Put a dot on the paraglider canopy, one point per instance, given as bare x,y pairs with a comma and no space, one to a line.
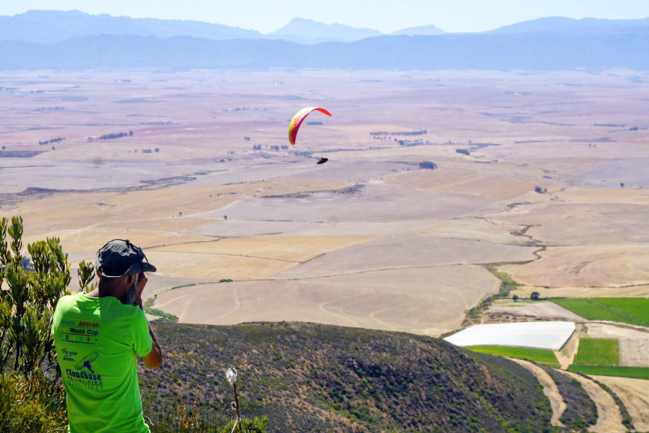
297,121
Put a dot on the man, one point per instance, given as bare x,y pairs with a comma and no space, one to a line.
98,337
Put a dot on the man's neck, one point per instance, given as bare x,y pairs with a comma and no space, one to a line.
101,292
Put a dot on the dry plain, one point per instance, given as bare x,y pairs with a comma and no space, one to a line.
540,175
204,179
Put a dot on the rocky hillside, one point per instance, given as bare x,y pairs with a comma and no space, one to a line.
307,377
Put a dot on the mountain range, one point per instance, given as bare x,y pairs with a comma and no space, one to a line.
74,40
39,26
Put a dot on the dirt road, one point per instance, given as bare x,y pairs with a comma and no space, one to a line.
609,417
635,395
550,389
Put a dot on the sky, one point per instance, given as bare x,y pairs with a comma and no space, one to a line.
384,15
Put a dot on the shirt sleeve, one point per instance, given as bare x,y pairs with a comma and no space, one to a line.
142,341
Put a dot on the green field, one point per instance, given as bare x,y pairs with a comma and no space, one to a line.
635,372
541,356
598,352
634,311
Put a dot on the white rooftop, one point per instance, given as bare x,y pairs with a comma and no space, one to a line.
540,335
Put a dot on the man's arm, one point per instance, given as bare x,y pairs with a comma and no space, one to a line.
154,358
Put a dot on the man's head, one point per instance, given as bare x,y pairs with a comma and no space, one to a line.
120,265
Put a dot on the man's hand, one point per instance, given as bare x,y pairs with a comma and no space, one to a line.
140,288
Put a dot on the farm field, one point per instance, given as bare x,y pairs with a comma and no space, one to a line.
587,266
544,192
208,185
633,372
584,292
634,342
540,356
292,249
424,302
598,352
545,309
410,251
634,311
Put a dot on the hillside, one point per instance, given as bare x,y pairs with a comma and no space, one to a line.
46,26
569,25
311,32
448,51
307,377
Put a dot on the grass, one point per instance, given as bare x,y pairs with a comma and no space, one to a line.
626,416
598,352
506,285
541,356
634,372
634,311
308,377
159,313
580,411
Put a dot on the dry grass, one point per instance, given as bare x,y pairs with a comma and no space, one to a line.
295,249
473,183
478,229
464,212
609,418
586,266
635,395
566,223
409,251
584,292
420,301
216,267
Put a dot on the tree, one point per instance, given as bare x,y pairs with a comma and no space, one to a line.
26,308
28,366
536,296
515,298
428,164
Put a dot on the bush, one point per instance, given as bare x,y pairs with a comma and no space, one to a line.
30,405
32,398
26,308
428,164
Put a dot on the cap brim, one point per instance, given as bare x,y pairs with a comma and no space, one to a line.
135,268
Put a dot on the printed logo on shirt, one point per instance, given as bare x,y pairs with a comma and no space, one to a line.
79,331
84,375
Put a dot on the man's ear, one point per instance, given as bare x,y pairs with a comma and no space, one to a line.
130,279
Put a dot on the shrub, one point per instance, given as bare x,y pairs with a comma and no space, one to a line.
428,164
30,405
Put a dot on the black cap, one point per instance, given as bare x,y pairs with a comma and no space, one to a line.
120,258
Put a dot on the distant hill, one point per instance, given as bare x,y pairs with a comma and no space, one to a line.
312,32
54,26
308,377
420,31
569,25
543,51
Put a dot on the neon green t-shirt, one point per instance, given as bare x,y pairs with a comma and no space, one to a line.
97,343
